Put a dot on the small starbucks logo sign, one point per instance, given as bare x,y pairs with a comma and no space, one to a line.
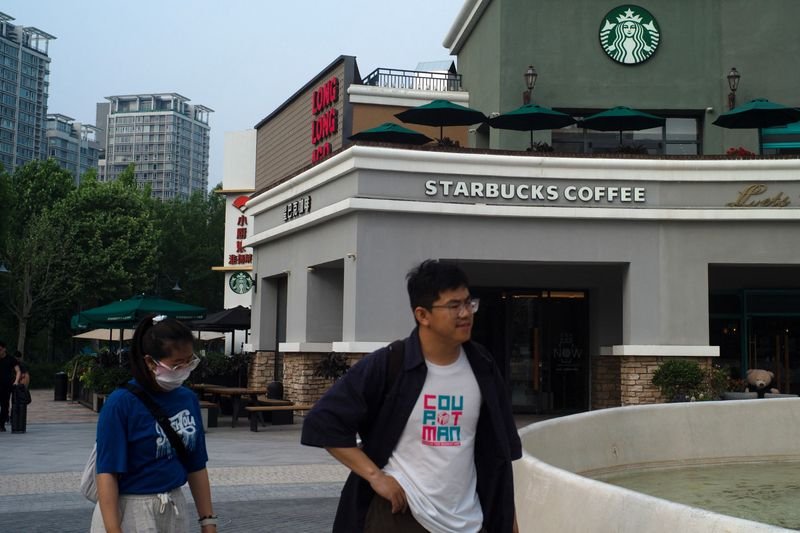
240,282
629,34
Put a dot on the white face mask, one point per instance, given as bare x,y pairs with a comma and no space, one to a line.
169,379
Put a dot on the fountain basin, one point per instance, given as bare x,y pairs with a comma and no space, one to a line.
553,480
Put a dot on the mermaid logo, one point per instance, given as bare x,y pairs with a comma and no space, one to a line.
629,35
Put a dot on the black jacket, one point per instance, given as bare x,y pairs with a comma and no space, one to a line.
359,403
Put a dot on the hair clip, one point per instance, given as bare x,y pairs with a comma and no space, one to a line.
158,318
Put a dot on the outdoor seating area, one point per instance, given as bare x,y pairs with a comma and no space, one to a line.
756,114
247,399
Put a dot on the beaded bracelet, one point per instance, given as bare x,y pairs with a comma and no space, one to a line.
208,520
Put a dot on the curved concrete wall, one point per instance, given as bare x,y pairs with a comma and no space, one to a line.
553,494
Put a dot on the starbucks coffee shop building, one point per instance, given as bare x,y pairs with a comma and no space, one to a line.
591,269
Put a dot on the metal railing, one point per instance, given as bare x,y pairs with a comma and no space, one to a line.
413,79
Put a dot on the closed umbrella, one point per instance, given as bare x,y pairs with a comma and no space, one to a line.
441,113
758,113
389,132
621,119
531,117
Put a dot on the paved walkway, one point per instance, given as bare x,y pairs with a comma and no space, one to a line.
261,482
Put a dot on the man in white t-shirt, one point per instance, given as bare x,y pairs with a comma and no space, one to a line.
435,422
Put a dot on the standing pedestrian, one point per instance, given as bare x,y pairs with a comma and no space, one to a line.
139,472
432,412
22,374
8,373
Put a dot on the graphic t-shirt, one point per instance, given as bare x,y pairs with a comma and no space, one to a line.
434,460
132,444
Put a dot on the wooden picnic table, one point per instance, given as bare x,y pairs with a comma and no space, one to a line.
235,394
202,388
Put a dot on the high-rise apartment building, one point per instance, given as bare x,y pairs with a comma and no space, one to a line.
72,144
165,137
24,82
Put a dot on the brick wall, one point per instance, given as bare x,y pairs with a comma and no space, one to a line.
300,385
262,370
636,378
606,382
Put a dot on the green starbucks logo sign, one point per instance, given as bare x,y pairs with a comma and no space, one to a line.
240,282
629,34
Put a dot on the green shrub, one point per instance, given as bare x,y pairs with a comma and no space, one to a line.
332,366
103,380
216,367
678,379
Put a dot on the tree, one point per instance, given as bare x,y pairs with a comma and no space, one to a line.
192,241
112,240
30,248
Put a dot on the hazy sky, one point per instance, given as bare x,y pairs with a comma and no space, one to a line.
241,58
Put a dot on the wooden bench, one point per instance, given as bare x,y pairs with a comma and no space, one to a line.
255,413
210,412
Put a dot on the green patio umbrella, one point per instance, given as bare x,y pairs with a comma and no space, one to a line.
127,313
389,132
621,119
441,113
531,117
758,113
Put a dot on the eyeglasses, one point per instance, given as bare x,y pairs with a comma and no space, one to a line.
193,364
469,305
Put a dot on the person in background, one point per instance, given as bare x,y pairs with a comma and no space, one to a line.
21,375
139,474
8,371
437,433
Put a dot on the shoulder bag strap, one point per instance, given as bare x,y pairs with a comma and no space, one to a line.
163,421
394,364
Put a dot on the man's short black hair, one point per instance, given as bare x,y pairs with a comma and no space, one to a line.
428,280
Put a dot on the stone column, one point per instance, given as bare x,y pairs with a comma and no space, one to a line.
605,382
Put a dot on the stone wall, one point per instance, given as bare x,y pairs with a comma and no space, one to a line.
261,371
300,385
636,378
605,382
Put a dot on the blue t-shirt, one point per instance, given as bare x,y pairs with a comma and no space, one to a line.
132,444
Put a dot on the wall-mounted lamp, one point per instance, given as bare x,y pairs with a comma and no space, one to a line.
286,272
177,287
351,256
530,83
3,269
309,269
733,83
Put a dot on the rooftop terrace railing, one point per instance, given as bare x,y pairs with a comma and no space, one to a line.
413,79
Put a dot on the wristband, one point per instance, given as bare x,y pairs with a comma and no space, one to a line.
208,520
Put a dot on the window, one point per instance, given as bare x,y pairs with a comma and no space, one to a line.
781,140
679,136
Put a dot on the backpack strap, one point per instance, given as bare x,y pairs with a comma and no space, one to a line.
394,364
163,420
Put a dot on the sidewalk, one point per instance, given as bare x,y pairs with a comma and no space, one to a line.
263,481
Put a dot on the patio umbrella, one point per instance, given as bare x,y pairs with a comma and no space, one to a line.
531,117
441,113
621,119
389,132
228,320
127,313
113,335
758,113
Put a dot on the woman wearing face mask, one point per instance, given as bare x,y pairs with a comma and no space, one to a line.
139,474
